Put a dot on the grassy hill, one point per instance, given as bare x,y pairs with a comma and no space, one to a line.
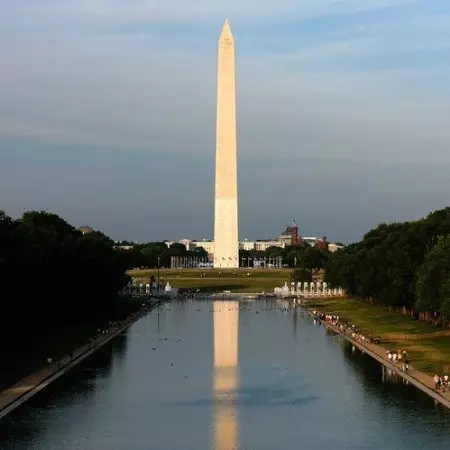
216,280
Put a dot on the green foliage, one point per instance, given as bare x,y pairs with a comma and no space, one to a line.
301,275
199,252
274,252
154,254
51,274
399,264
433,280
313,258
178,249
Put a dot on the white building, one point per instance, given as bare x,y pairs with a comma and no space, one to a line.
246,245
185,242
259,245
206,244
262,246
311,240
334,247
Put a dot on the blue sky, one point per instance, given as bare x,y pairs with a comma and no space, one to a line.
108,113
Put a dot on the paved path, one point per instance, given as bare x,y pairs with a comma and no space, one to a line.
20,392
419,379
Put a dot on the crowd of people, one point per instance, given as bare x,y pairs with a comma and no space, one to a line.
394,357
397,357
346,327
440,383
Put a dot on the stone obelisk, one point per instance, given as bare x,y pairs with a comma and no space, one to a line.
226,246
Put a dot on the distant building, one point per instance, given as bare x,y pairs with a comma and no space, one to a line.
247,245
85,229
311,240
322,243
262,246
185,242
208,245
125,247
290,236
334,247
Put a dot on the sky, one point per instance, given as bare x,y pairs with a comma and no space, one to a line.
107,113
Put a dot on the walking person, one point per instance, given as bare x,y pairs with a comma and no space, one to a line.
436,381
406,365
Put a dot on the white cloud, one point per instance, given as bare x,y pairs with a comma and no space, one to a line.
121,10
128,91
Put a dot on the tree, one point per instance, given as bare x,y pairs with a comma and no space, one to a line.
274,252
245,258
432,287
399,264
301,276
198,252
52,275
314,258
177,249
445,300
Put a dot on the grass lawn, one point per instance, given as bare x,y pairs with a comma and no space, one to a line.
428,347
216,280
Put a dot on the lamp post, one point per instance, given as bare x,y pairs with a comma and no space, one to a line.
158,275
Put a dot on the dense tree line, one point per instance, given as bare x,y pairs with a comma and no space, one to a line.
302,256
52,275
153,254
400,264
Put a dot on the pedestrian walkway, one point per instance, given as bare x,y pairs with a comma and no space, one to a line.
24,389
419,379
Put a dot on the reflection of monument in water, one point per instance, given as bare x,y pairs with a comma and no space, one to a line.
226,380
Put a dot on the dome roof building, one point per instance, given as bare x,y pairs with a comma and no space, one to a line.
85,229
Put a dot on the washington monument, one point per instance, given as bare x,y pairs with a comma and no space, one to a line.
226,246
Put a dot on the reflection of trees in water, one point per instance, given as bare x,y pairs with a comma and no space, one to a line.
392,389
101,362
119,347
179,309
23,424
22,356
295,321
29,354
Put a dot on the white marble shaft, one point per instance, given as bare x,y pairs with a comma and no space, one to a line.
226,246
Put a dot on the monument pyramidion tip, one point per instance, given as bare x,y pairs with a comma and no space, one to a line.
226,30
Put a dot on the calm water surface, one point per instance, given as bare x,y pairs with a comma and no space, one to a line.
227,375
